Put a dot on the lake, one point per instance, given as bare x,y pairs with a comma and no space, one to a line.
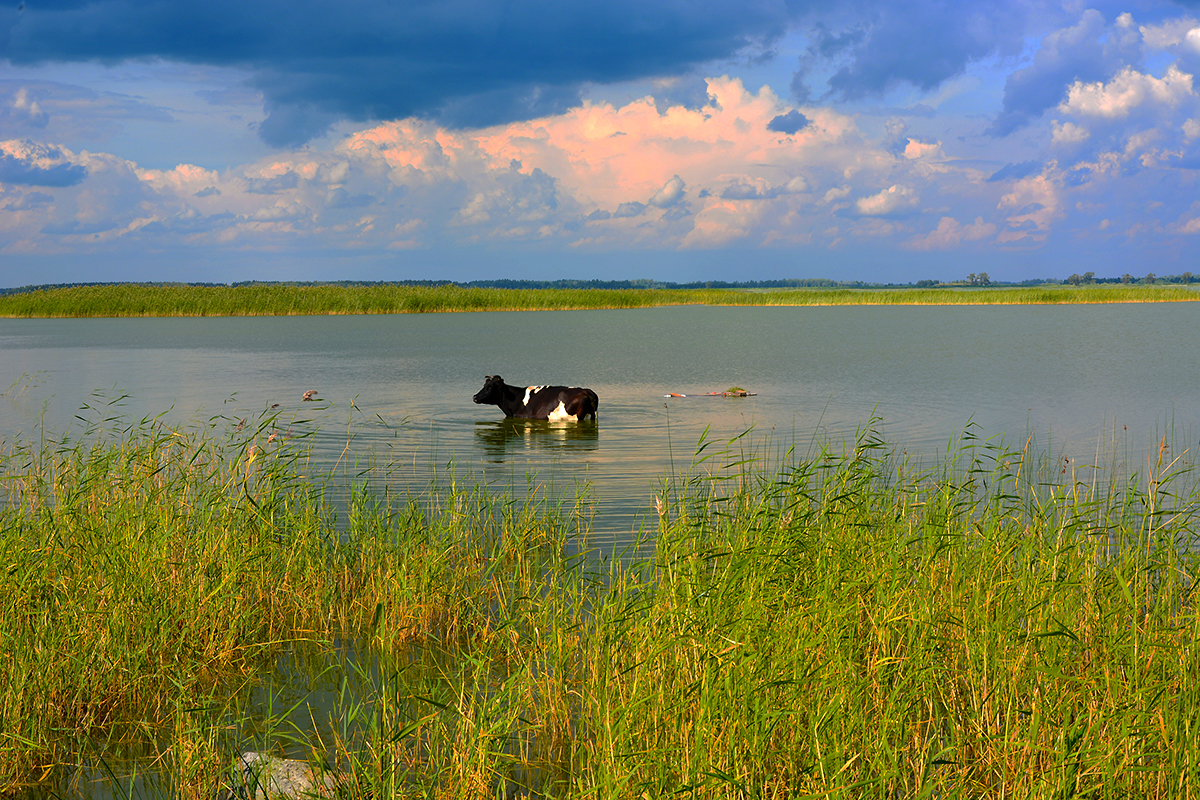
1097,383
396,390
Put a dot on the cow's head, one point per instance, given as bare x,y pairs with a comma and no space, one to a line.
492,391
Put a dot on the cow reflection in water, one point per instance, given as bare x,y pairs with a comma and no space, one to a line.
503,438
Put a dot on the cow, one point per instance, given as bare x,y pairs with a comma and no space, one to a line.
538,402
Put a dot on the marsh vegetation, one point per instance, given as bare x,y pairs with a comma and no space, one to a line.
837,622
145,300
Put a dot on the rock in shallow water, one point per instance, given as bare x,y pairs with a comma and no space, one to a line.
258,776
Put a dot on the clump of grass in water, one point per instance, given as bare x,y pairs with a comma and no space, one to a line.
153,572
139,565
832,627
837,623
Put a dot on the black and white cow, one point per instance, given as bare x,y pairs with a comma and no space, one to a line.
538,402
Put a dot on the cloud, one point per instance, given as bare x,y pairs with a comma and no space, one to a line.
340,198
1034,204
608,155
33,108
1011,171
27,164
1090,50
837,193
281,211
630,209
26,110
463,63
1125,92
744,191
273,184
951,233
29,200
599,178
670,194
760,190
894,48
1068,133
1170,33
790,123
478,63
892,200
915,148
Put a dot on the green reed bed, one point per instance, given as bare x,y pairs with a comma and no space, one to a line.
145,300
839,624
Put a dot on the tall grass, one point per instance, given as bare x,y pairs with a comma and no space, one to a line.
142,300
836,623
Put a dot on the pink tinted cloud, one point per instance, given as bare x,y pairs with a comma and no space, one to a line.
605,155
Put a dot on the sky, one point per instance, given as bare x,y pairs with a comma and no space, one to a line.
875,140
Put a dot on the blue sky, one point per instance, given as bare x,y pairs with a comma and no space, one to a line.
876,141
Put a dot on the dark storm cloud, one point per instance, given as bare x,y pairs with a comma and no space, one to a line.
922,43
464,62
22,172
480,62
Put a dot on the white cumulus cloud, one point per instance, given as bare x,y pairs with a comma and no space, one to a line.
670,194
892,199
1067,133
1125,92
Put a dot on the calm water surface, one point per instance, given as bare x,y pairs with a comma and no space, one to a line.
397,389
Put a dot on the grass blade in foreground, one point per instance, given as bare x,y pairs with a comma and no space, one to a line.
839,625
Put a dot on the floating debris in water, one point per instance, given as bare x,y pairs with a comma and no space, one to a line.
732,391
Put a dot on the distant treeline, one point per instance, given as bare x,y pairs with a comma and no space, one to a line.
641,283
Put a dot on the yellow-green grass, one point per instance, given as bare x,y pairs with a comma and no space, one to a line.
839,625
143,300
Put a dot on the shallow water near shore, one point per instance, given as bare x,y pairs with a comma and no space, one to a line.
395,391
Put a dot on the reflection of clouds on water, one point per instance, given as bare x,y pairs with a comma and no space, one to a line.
504,438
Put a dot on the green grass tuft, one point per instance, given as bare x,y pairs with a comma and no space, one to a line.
839,624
